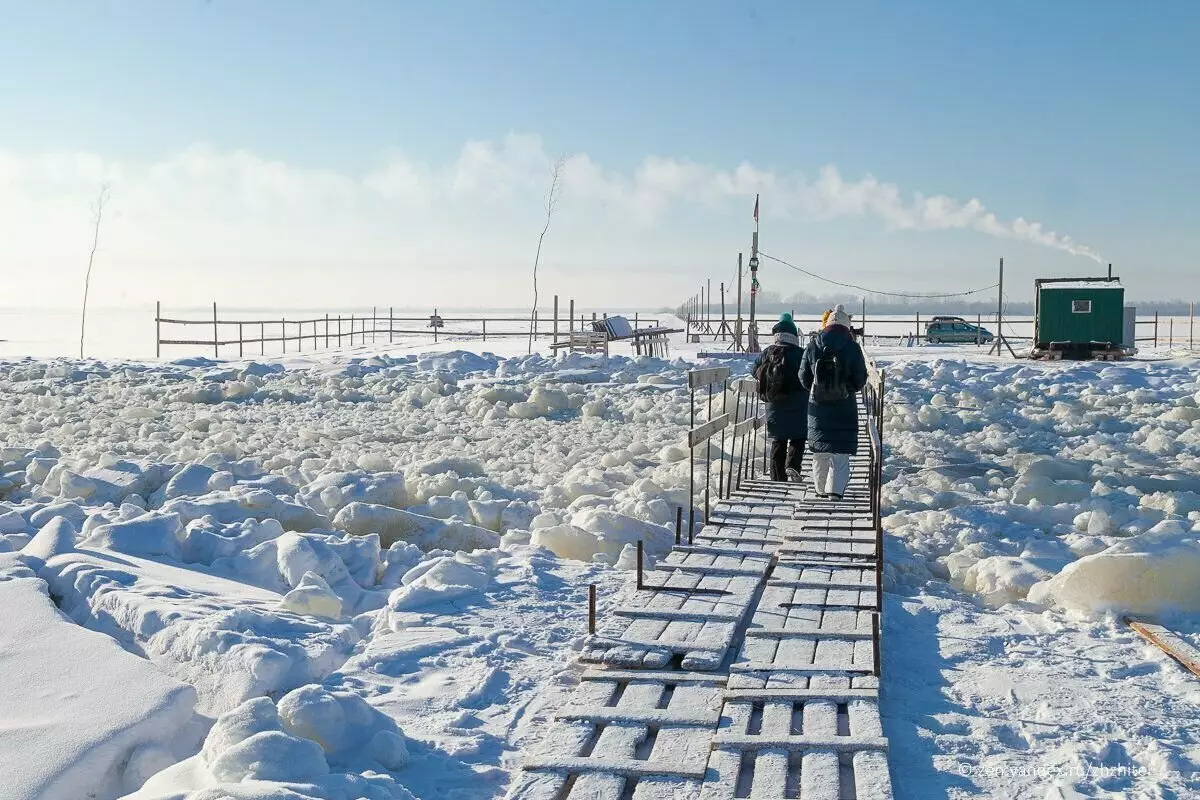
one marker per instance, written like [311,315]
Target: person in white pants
[834,371]
[831,473]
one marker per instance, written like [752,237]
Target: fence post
[1171,331]
[158,329]
[262,338]
[216,335]
[978,328]
[389,324]
[326,330]
[374,325]
[1155,328]
[239,340]
[485,329]
[571,317]
[635,320]
[918,334]
[556,318]
[283,333]
[435,328]
[352,330]
[1191,324]
[339,333]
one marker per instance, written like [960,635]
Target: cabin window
[1081,306]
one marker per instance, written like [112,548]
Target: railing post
[708,459]
[352,330]
[1155,327]
[678,523]
[158,329]
[283,333]
[326,330]
[571,317]
[556,318]
[721,472]
[389,325]
[240,340]
[691,461]
[640,583]
[592,609]
[216,335]
[262,338]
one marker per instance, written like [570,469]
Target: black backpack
[776,380]
[829,380]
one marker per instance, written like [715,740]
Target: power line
[876,291]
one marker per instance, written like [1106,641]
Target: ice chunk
[152,534]
[397,525]
[312,596]
[56,536]
[1153,573]
[443,578]
[271,756]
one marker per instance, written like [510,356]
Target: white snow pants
[831,472]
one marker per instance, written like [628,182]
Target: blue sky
[1079,115]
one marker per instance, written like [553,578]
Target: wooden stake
[678,524]
[158,329]
[217,336]
[592,608]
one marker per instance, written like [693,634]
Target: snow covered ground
[371,567]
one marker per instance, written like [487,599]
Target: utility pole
[1000,319]
[738,327]
[753,329]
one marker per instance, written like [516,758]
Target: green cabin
[1078,312]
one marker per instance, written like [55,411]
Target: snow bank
[228,639]
[70,720]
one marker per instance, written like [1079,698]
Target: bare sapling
[552,196]
[98,214]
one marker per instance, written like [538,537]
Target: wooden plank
[666,613]
[1169,642]
[626,767]
[658,717]
[701,433]
[669,677]
[707,376]
[800,695]
[809,632]
[839,744]
[820,773]
[806,669]
[753,555]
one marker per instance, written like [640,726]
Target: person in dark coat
[833,424]
[787,417]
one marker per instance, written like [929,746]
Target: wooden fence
[1152,329]
[337,330]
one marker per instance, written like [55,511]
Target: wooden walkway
[746,666]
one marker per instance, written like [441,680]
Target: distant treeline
[805,303]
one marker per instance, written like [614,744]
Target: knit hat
[785,325]
[839,317]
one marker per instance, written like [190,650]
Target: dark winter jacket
[788,418]
[833,427]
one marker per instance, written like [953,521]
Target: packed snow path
[746,666]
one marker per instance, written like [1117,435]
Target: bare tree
[556,170]
[98,211]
